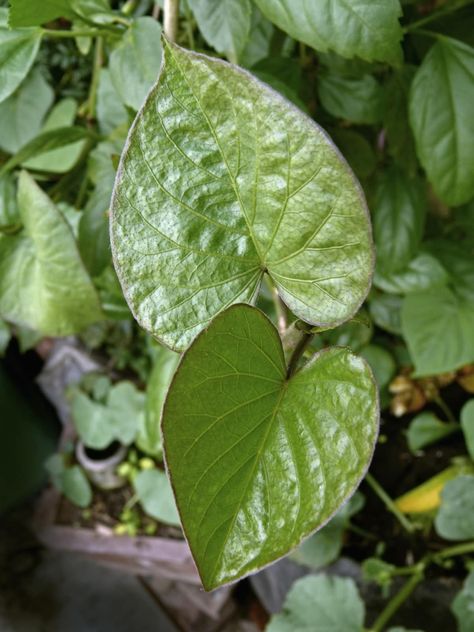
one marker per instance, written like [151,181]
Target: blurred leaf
[399,211]
[385,310]
[321,604]
[22,113]
[401,143]
[426,428]
[111,113]
[135,62]
[9,214]
[424,272]
[455,517]
[354,334]
[463,605]
[381,362]
[356,150]
[441,100]
[358,100]
[64,158]
[438,327]
[5,336]
[225,24]
[369,31]
[37,12]
[43,283]
[458,261]
[70,481]
[258,43]
[18,50]
[156,496]
[467,423]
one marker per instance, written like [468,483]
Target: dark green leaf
[467,423]
[401,144]
[356,150]
[424,272]
[463,605]
[22,113]
[156,496]
[135,62]
[458,260]
[111,113]
[358,100]
[455,517]
[381,362]
[18,50]
[370,31]
[190,240]
[256,459]
[320,604]
[399,217]
[385,311]
[43,283]
[9,215]
[441,100]
[225,24]
[425,429]
[439,329]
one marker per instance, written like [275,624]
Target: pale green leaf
[426,428]
[43,283]
[381,362]
[149,436]
[111,112]
[22,113]
[258,44]
[424,272]
[18,50]
[225,24]
[438,327]
[401,144]
[76,487]
[9,215]
[257,461]
[358,100]
[135,62]
[321,604]
[369,30]
[156,496]
[399,212]
[455,517]
[254,186]
[385,311]
[467,423]
[441,100]
[37,12]
[463,605]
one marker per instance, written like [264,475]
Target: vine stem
[64,34]
[303,342]
[389,504]
[170,19]
[98,61]
[445,408]
[398,599]
[429,18]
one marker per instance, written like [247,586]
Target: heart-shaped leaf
[258,461]
[222,180]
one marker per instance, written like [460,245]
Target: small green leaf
[426,429]
[369,30]
[455,517]
[257,461]
[149,437]
[463,605]
[358,100]
[467,423]
[76,487]
[399,217]
[135,62]
[225,24]
[255,185]
[356,150]
[438,327]
[111,113]
[321,604]
[441,100]
[381,362]
[43,283]
[22,113]
[18,50]
[424,272]
[34,13]
[156,496]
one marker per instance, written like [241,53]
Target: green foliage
[70,480]
[322,604]
[156,496]
[463,605]
[248,496]
[467,424]
[426,429]
[455,518]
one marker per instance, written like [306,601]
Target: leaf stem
[439,401]
[389,504]
[432,17]
[56,33]
[398,599]
[452,551]
[98,61]
[170,19]
[303,342]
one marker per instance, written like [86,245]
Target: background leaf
[359,100]
[156,496]
[463,605]
[426,428]
[455,517]
[467,423]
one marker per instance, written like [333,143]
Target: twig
[170,19]
[389,504]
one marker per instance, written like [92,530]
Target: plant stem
[429,18]
[298,352]
[64,34]
[389,504]
[279,307]
[445,408]
[397,600]
[98,61]
[452,551]
[170,19]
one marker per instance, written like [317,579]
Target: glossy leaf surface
[321,604]
[369,30]
[258,462]
[43,283]
[441,100]
[221,180]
